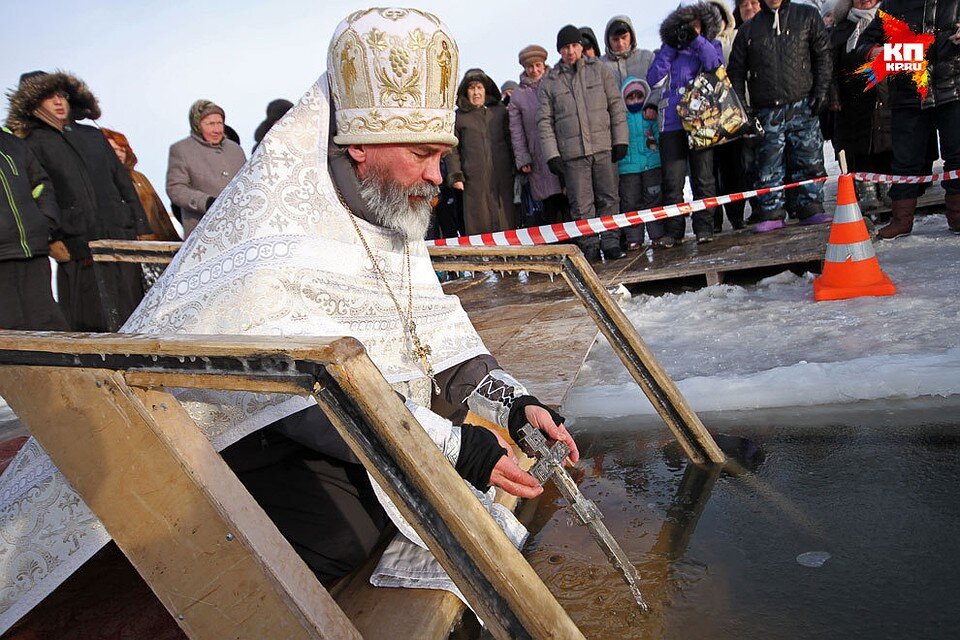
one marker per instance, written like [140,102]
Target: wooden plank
[466,530]
[172,505]
[413,613]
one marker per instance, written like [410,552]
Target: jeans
[790,150]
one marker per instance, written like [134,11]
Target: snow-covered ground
[771,345]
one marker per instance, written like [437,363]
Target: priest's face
[398,182]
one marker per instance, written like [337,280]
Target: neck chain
[421,351]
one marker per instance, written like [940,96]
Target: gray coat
[581,111]
[198,171]
[635,62]
[526,139]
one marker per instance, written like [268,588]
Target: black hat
[24,77]
[568,35]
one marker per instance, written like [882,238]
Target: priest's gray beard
[391,206]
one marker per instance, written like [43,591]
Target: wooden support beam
[172,505]
[497,581]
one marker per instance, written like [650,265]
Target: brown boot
[902,222]
[953,211]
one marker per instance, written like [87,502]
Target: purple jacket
[681,66]
[526,138]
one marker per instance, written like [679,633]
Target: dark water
[718,551]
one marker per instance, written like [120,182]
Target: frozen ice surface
[771,345]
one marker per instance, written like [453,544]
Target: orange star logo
[903,52]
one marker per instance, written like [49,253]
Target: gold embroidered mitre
[393,78]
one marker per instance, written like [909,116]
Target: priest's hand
[508,476]
[529,410]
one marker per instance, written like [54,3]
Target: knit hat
[618,27]
[24,77]
[532,53]
[200,110]
[509,85]
[568,35]
[392,75]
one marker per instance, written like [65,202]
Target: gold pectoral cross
[422,353]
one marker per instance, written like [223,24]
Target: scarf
[860,19]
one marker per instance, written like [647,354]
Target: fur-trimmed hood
[25,99]
[476,75]
[728,24]
[711,23]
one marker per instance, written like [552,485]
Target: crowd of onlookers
[596,133]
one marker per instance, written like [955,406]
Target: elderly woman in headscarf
[481,164]
[202,164]
[157,217]
[525,136]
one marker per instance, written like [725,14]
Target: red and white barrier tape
[550,233]
[883,177]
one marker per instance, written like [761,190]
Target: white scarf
[860,18]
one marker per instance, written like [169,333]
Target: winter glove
[518,415]
[210,202]
[556,166]
[618,153]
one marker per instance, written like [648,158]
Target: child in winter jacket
[640,169]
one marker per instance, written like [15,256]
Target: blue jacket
[639,156]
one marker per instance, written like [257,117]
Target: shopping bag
[711,111]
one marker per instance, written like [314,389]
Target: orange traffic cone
[850,267]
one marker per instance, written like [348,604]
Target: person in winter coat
[29,227]
[861,117]
[506,90]
[622,56]
[527,150]
[94,193]
[689,46]
[913,118]
[728,159]
[640,168]
[275,110]
[782,58]
[481,165]
[583,130]
[157,217]
[202,164]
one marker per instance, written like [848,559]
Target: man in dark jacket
[94,192]
[583,130]
[784,52]
[29,225]
[914,119]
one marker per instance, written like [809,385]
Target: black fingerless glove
[518,416]
[479,453]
